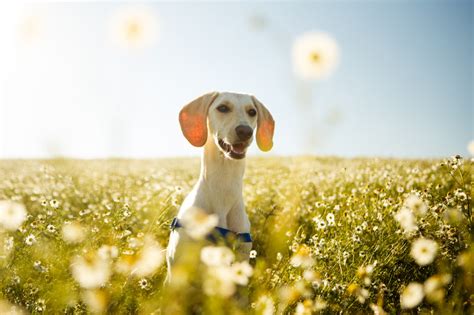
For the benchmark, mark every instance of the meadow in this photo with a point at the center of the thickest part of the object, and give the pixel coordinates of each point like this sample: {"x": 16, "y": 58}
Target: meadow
{"x": 331, "y": 236}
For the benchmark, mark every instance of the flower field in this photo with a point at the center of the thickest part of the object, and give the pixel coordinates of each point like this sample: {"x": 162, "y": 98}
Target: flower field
{"x": 330, "y": 236}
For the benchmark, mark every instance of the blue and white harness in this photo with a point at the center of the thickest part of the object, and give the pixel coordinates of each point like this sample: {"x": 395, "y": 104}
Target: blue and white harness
{"x": 219, "y": 233}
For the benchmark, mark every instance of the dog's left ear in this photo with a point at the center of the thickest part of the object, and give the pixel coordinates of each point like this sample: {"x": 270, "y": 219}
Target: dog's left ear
{"x": 265, "y": 126}
{"x": 193, "y": 119}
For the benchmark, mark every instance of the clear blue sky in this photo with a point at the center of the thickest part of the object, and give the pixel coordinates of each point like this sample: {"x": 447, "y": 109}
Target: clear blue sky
{"x": 403, "y": 88}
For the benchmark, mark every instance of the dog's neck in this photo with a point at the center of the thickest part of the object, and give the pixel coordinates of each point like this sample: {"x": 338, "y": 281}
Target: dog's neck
{"x": 216, "y": 168}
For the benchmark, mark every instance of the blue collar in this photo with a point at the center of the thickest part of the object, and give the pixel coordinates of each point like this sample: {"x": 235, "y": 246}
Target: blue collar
{"x": 219, "y": 233}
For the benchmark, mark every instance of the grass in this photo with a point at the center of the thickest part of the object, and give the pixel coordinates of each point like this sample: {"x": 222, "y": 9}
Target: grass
{"x": 304, "y": 263}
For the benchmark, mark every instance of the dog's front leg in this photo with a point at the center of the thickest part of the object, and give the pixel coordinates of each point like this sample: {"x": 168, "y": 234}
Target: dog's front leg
{"x": 238, "y": 221}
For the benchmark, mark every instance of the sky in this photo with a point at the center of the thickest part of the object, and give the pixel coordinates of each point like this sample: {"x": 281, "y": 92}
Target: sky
{"x": 403, "y": 86}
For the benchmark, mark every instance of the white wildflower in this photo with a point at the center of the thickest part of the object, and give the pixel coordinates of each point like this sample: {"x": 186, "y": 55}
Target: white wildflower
{"x": 315, "y": 55}
{"x": 198, "y": 224}
{"x": 423, "y": 251}
{"x": 91, "y": 271}
{"x": 412, "y": 295}
{"x": 217, "y": 256}
{"x": 241, "y": 272}
{"x": 406, "y": 219}
{"x": 12, "y": 214}
{"x": 416, "y": 204}
{"x": 73, "y": 233}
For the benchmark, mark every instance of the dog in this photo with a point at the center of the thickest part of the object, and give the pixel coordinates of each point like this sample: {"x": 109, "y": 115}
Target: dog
{"x": 224, "y": 124}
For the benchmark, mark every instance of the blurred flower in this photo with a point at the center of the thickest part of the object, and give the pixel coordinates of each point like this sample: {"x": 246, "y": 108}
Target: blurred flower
{"x": 315, "y": 55}
{"x": 241, "y": 272}
{"x": 378, "y": 310}
{"x": 73, "y": 233}
{"x": 265, "y": 305}
{"x": 217, "y": 256}
{"x": 91, "y": 271}
{"x": 304, "y": 308}
{"x": 96, "y": 300}
{"x": 30, "y": 27}
{"x": 302, "y": 258}
{"x": 412, "y": 295}
{"x": 470, "y": 147}
{"x": 145, "y": 262}
{"x": 108, "y": 252}
{"x": 423, "y": 251}
{"x": 6, "y": 308}
{"x": 219, "y": 282}
{"x": 406, "y": 219}
{"x": 133, "y": 27}
{"x": 433, "y": 287}
{"x": 199, "y": 224}
{"x": 12, "y": 214}
{"x": 415, "y": 204}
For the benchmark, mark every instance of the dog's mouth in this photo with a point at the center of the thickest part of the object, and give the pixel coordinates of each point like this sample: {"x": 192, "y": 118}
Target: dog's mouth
{"x": 234, "y": 151}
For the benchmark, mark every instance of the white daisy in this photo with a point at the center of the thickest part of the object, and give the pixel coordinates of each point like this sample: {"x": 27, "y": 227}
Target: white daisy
{"x": 470, "y": 147}
{"x": 133, "y": 27}
{"x": 198, "y": 224}
{"x": 302, "y": 258}
{"x": 73, "y": 233}
{"x": 423, "y": 251}
{"x": 30, "y": 240}
{"x": 91, "y": 271}
{"x": 315, "y": 55}
{"x": 253, "y": 253}
{"x": 217, "y": 256}
{"x": 12, "y": 214}
{"x": 406, "y": 219}
{"x": 416, "y": 204}
{"x": 412, "y": 295}
{"x": 219, "y": 282}
{"x": 241, "y": 272}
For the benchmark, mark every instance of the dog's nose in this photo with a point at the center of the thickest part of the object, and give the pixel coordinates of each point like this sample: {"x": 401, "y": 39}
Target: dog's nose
{"x": 244, "y": 132}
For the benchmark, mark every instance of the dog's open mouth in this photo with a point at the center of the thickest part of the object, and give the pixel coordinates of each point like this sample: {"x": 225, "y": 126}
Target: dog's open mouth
{"x": 235, "y": 151}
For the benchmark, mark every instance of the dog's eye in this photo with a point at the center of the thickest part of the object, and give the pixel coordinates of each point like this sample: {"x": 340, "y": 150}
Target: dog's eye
{"x": 223, "y": 108}
{"x": 252, "y": 112}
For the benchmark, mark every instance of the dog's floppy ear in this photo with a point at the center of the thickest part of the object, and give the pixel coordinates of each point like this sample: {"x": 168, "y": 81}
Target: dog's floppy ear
{"x": 193, "y": 119}
{"x": 265, "y": 126}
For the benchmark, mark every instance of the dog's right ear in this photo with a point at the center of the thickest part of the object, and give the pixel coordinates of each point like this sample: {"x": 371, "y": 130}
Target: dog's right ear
{"x": 193, "y": 119}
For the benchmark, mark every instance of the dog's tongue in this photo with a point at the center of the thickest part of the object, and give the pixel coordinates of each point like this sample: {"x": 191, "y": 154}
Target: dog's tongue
{"x": 238, "y": 148}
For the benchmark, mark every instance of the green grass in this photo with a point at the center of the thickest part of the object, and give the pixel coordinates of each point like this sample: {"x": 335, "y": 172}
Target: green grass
{"x": 121, "y": 202}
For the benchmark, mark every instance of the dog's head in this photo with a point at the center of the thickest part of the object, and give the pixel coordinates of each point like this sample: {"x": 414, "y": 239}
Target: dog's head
{"x": 230, "y": 119}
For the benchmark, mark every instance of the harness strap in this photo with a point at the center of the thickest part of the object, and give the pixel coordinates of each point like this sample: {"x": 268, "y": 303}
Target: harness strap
{"x": 222, "y": 232}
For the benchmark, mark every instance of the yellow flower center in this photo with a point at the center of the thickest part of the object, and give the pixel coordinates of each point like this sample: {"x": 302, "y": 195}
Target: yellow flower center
{"x": 315, "y": 57}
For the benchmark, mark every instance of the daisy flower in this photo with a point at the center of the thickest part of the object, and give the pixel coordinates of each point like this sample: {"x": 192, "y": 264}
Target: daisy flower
{"x": 241, "y": 272}
{"x": 91, "y": 271}
{"x": 406, "y": 219}
{"x": 415, "y": 204}
{"x": 423, "y": 251}
{"x": 470, "y": 147}
{"x": 12, "y": 214}
{"x": 315, "y": 55}
{"x": 133, "y": 27}
{"x": 30, "y": 240}
{"x": 198, "y": 223}
{"x": 73, "y": 233}
{"x": 412, "y": 295}
{"x": 217, "y": 256}
{"x": 253, "y": 253}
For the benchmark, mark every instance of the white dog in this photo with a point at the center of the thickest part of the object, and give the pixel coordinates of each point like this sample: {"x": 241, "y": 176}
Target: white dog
{"x": 224, "y": 124}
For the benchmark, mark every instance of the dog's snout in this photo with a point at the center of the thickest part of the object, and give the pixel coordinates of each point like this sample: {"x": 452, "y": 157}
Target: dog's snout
{"x": 244, "y": 132}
